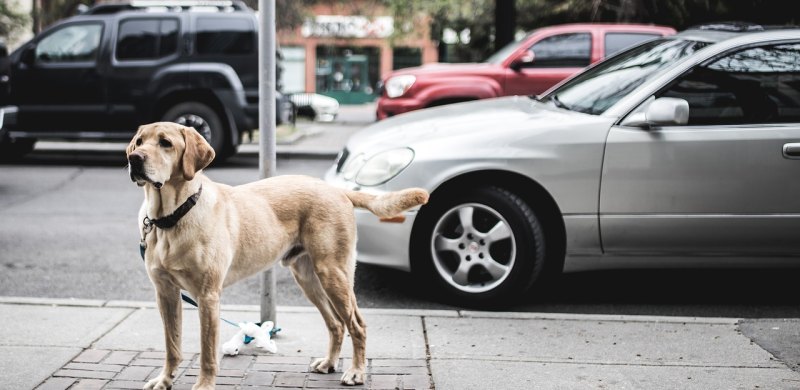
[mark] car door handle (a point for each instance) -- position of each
(791, 151)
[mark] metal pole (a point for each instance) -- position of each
(266, 115)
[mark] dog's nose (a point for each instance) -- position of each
(136, 160)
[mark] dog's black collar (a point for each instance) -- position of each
(172, 219)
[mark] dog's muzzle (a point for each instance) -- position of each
(137, 171)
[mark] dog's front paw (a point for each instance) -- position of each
(161, 382)
(353, 377)
(203, 386)
(323, 366)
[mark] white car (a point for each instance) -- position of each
(683, 150)
(319, 107)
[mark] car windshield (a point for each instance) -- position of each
(599, 88)
(498, 57)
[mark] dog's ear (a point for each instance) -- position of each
(197, 154)
(132, 145)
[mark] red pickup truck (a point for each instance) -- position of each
(526, 67)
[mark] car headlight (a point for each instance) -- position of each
(398, 85)
(352, 166)
(379, 168)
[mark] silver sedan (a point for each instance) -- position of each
(681, 151)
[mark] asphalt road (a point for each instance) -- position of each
(68, 230)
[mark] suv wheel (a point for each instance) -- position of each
(483, 247)
(203, 119)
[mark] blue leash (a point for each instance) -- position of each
(189, 300)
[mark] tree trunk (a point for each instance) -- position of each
(505, 23)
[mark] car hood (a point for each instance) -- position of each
(445, 69)
(512, 123)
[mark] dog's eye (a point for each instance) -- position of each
(138, 142)
(165, 143)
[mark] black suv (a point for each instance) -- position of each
(101, 74)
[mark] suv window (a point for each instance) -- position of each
(562, 51)
(615, 42)
(144, 39)
(73, 43)
(225, 36)
(755, 85)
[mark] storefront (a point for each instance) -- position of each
(342, 53)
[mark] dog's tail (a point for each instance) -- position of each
(391, 204)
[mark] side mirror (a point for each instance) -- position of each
(526, 58)
(28, 55)
(663, 111)
(668, 111)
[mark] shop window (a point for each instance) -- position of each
(294, 69)
(406, 57)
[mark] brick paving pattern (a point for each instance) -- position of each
(101, 369)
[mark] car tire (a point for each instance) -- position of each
(203, 119)
(482, 247)
(13, 149)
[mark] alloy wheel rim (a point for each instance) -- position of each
(473, 248)
(199, 123)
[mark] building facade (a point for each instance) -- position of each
(344, 49)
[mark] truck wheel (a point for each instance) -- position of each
(203, 119)
(482, 247)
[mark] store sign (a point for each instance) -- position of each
(348, 26)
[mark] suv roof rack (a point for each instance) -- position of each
(169, 5)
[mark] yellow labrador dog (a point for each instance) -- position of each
(202, 236)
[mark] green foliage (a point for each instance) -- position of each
(11, 21)
(52, 11)
(478, 15)
(288, 13)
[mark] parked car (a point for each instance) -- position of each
(101, 74)
(683, 150)
(526, 67)
(315, 106)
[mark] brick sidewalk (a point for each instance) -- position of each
(96, 369)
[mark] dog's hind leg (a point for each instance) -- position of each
(337, 280)
(304, 275)
(169, 305)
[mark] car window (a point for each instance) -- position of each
(755, 85)
(500, 56)
(562, 51)
(597, 89)
(73, 43)
(143, 39)
(225, 36)
(615, 42)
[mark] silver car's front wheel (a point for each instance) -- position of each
(473, 248)
(482, 246)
